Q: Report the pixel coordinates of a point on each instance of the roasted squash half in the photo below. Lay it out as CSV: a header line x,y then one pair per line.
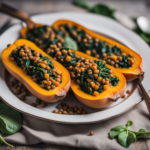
x,y
84,68
105,98
48,96
130,73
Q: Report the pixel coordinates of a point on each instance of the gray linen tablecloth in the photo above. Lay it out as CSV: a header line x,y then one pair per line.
x,y
35,131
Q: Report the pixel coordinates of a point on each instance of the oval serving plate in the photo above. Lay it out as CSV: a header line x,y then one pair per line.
x,y
96,23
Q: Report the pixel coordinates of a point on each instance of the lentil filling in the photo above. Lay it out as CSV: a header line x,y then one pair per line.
x,y
44,36
93,77
96,48
37,66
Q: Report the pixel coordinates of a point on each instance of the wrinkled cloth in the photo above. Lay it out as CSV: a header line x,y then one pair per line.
x,y
36,131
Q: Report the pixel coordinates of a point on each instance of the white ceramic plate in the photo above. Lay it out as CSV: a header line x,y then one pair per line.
x,y
94,22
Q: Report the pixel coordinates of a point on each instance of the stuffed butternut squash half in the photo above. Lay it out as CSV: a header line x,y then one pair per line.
x,y
93,82
41,74
115,54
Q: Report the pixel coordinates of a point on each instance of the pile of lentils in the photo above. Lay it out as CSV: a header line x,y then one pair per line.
x,y
63,108
20,89
96,48
37,66
43,36
92,76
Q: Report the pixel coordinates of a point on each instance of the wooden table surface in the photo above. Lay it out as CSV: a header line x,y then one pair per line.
x,y
131,8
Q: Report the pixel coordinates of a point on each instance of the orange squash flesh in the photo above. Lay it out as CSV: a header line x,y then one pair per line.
x,y
105,98
130,73
48,96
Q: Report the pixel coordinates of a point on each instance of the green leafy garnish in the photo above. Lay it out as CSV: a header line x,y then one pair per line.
x,y
10,122
125,136
71,43
143,35
100,9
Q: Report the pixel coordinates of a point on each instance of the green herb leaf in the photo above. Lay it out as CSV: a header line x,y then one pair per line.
x,y
145,36
126,138
10,119
116,131
27,63
100,9
83,4
129,123
3,141
104,10
71,43
142,133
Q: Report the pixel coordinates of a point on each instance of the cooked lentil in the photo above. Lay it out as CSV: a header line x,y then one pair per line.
x,y
91,133
123,96
33,104
43,105
128,92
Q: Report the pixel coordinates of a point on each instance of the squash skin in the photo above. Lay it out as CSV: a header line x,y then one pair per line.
x,y
130,73
105,98
47,96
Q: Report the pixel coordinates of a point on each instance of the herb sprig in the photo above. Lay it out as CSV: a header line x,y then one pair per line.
x,y
126,136
10,122
100,9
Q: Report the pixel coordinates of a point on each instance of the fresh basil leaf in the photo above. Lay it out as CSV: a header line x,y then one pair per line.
x,y
116,131
11,120
126,138
129,123
71,43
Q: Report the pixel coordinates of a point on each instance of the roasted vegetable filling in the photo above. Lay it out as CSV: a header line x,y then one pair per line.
x,y
96,48
40,68
44,36
93,77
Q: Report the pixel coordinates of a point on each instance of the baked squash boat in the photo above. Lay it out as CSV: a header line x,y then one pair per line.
x,y
115,54
41,74
94,83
